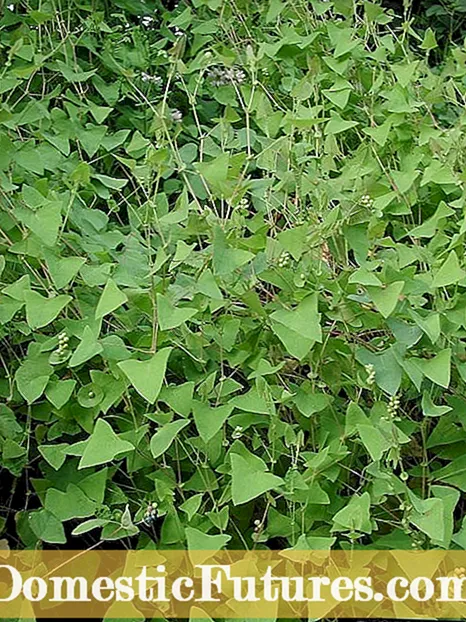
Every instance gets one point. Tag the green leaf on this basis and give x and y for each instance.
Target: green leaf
(428, 228)
(250, 481)
(210, 420)
(111, 299)
(428, 516)
(179, 398)
(89, 525)
(355, 416)
(207, 285)
(87, 349)
(355, 516)
(386, 299)
(44, 223)
(59, 392)
(191, 506)
(364, 277)
(40, 311)
(147, 376)
(310, 403)
(373, 440)
(70, 504)
(63, 270)
(450, 498)
(438, 368)
(111, 182)
(404, 180)
(381, 133)
(91, 138)
(337, 125)
(47, 527)
(430, 325)
(71, 75)
(170, 316)
(32, 377)
(12, 450)
(304, 320)
(164, 437)
(449, 272)
(454, 473)
(252, 401)
(55, 455)
(225, 258)
(429, 42)
(19, 288)
(103, 446)
(429, 409)
(295, 344)
(200, 541)
(293, 241)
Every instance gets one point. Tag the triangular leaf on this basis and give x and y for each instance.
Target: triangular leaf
(386, 299)
(40, 310)
(248, 483)
(103, 446)
(170, 316)
(147, 376)
(111, 299)
(449, 272)
(87, 349)
(210, 420)
(164, 437)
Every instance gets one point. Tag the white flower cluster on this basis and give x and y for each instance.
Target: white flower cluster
(237, 432)
(147, 21)
(367, 201)
(221, 76)
(370, 374)
(393, 405)
(145, 77)
(151, 513)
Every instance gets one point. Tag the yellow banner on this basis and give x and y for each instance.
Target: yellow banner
(233, 584)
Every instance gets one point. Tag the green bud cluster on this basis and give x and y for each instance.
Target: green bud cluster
(63, 340)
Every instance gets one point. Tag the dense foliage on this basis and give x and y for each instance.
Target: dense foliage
(233, 284)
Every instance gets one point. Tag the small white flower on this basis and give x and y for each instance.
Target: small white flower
(221, 76)
(145, 77)
(176, 115)
(147, 21)
(11, 7)
(178, 32)
(237, 432)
